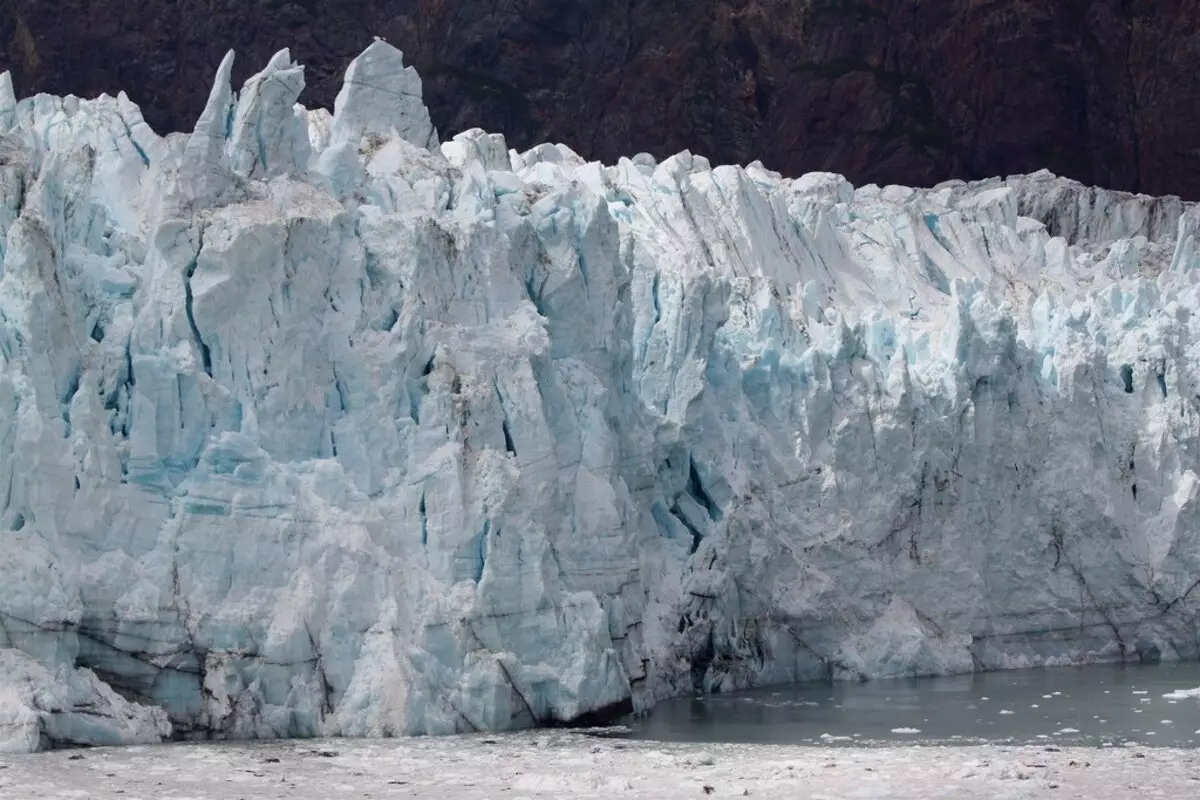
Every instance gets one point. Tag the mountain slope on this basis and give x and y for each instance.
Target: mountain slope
(886, 91)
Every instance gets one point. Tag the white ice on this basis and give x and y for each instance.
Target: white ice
(557, 765)
(315, 426)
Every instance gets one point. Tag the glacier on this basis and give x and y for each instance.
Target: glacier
(316, 425)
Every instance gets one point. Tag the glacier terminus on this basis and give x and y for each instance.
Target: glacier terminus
(312, 424)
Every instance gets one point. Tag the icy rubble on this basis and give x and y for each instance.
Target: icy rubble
(68, 707)
(313, 426)
(568, 764)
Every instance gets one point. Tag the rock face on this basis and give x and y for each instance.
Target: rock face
(315, 426)
(884, 91)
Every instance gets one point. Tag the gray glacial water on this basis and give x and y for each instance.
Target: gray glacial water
(1089, 706)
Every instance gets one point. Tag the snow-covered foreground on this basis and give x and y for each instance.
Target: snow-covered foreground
(559, 765)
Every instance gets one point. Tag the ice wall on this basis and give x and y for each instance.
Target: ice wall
(312, 425)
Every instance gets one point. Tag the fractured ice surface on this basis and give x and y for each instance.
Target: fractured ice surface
(312, 425)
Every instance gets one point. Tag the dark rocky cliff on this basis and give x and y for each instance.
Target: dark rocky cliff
(904, 91)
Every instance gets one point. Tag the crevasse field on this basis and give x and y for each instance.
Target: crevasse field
(313, 426)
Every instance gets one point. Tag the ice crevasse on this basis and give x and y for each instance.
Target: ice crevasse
(313, 425)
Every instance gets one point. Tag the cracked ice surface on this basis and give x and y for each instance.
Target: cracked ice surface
(313, 426)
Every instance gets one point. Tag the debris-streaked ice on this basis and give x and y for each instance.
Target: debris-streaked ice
(315, 426)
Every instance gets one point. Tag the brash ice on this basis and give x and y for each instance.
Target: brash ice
(313, 426)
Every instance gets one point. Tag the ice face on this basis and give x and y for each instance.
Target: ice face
(313, 426)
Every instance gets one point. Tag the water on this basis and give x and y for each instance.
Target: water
(1091, 706)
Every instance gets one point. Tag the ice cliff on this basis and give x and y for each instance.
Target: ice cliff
(313, 425)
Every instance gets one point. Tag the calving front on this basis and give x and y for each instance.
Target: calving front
(313, 426)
